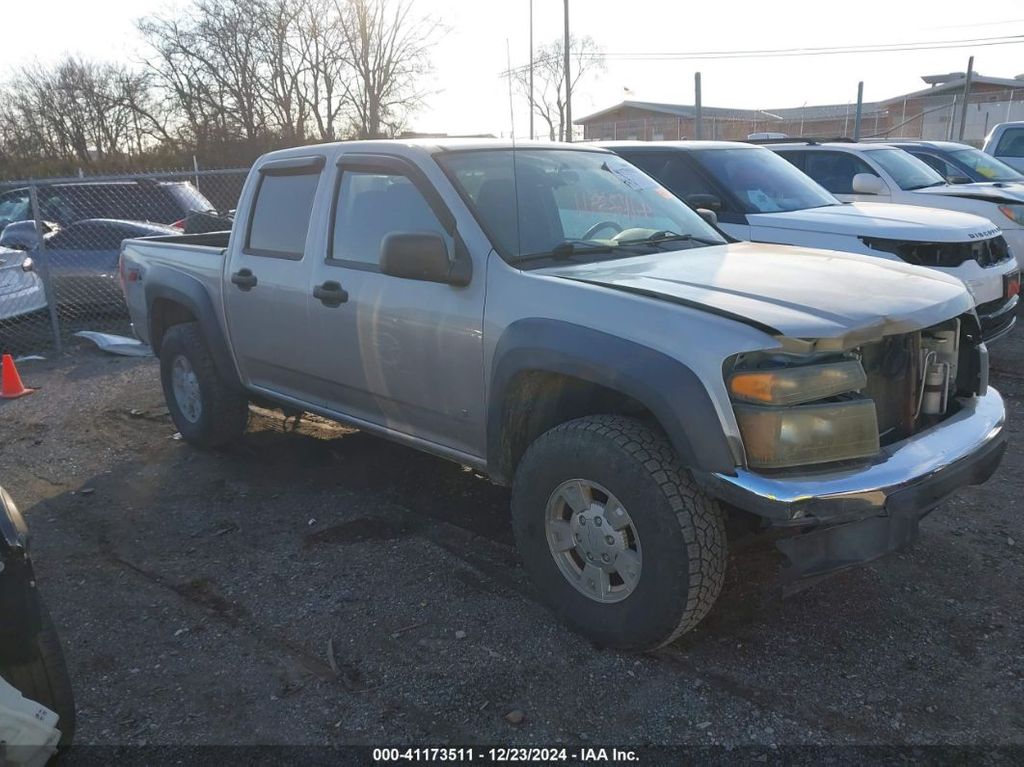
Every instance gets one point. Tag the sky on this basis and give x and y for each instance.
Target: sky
(468, 94)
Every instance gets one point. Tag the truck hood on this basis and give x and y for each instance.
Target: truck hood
(874, 219)
(787, 291)
(989, 191)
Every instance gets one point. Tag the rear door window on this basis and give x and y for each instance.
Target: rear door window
(280, 214)
(1011, 144)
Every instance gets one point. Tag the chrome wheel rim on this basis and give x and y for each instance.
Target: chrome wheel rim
(593, 541)
(186, 389)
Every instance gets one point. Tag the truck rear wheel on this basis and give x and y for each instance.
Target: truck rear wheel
(620, 542)
(206, 410)
(44, 678)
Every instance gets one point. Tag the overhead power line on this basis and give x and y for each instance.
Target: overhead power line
(978, 42)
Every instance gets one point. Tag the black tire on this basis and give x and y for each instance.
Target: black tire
(45, 678)
(224, 411)
(680, 528)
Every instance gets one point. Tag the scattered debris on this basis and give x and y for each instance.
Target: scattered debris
(179, 632)
(1010, 541)
(703, 725)
(330, 655)
(87, 491)
(30, 358)
(114, 344)
(515, 717)
(399, 632)
(460, 634)
(312, 521)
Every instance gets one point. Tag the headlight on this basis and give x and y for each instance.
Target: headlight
(793, 415)
(775, 437)
(28, 265)
(789, 386)
(1013, 212)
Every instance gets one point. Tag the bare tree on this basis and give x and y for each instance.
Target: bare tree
(388, 49)
(77, 110)
(549, 95)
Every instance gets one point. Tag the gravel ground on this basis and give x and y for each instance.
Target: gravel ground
(320, 586)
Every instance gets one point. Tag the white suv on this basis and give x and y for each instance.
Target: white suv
(760, 197)
(884, 173)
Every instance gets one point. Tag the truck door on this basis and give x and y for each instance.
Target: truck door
(266, 287)
(403, 354)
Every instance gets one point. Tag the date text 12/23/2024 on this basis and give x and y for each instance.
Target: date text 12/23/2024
(504, 754)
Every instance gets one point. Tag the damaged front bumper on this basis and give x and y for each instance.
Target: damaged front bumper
(848, 517)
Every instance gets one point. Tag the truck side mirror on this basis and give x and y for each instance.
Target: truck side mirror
(700, 200)
(416, 256)
(869, 183)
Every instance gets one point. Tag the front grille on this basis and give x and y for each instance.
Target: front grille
(894, 374)
(945, 254)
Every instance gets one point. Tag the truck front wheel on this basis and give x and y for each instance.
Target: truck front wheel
(206, 410)
(619, 540)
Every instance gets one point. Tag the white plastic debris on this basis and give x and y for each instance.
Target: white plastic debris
(115, 344)
(28, 730)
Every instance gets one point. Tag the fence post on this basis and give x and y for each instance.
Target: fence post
(860, 108)
(43, 260)
(698, 116)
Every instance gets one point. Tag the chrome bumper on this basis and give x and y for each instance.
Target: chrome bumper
(911, 477)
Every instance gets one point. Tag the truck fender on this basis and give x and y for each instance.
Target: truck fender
(666, 387)
(171, 285)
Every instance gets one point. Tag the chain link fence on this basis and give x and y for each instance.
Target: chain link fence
(60, 241)
(923, 116)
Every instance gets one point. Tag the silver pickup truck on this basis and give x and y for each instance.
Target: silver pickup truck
(552, 316)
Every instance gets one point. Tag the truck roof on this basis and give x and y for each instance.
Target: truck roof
(428, 145)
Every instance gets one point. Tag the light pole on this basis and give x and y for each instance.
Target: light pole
(531, 70)
(568, 79)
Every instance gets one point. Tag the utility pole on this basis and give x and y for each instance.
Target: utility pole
(568, 79)
(698, 117)
(531, 70)
(967, 96)
(860, 109)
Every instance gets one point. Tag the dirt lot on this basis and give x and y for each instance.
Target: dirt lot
(208, 598)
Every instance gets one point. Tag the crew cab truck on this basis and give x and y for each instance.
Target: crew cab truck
(552, 316)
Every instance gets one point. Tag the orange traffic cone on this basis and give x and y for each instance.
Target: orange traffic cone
(10, 382)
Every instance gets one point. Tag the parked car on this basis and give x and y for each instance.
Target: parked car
(83, 257)
(31, 658)
(1006, 142)
(756, 195)
(960, 163)
(162, 202)
(21, 290)
(882, 173)
(552, 316)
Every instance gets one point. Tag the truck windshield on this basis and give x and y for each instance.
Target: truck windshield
(907, 171)
(985, 165)
(763, 181)
(565, 203)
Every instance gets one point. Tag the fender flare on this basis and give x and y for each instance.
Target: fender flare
(171, 285)
(669, 389)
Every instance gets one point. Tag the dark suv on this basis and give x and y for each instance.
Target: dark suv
(161, 202)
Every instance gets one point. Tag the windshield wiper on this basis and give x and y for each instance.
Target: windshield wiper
(925, 186)
(666, 236)
(563, 251)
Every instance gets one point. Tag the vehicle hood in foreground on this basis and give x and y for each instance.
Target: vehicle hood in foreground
(875, 219)
(990, 191)
(794, 292)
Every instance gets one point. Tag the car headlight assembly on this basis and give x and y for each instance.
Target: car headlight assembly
(1013, 212)
(804, 415)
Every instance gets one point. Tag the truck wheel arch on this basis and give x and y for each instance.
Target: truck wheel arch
(547, 372)
(173, 298)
